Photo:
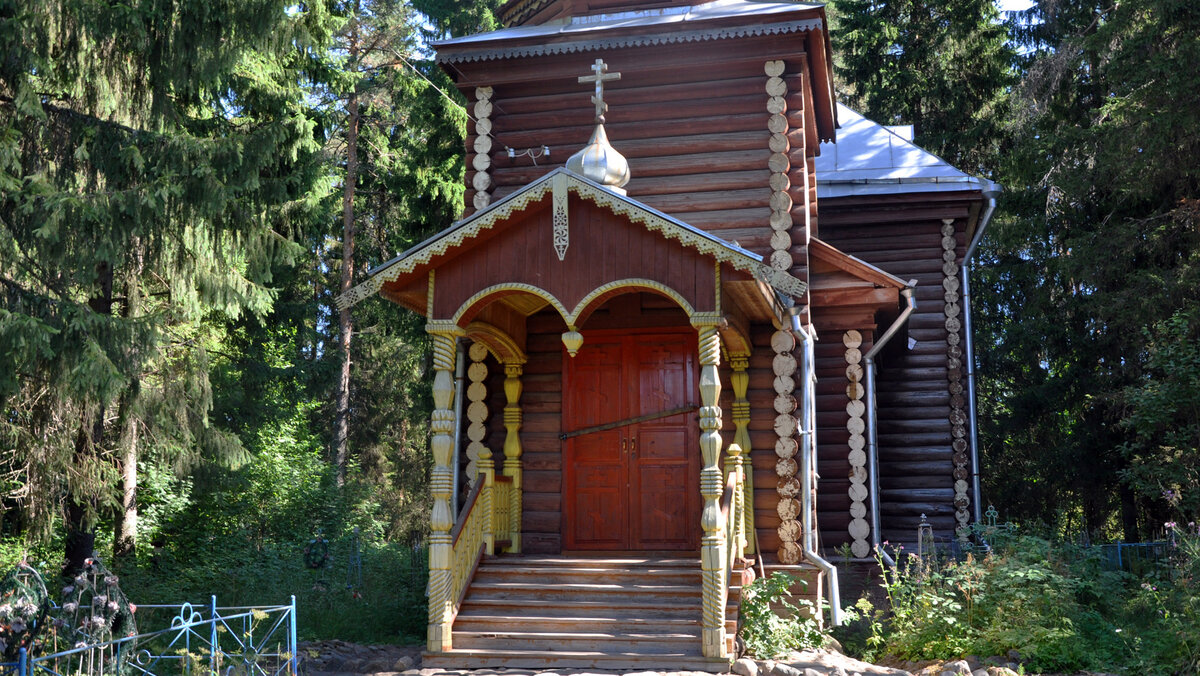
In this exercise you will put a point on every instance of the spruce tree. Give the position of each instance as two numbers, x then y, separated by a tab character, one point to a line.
1091	299
155	161
943	66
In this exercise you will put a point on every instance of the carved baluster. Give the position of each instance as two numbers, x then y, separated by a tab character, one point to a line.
441	485
740	380
512	450
734	466
712	543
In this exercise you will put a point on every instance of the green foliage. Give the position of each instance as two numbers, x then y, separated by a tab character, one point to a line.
1060	607
944	67
772	625
1096	243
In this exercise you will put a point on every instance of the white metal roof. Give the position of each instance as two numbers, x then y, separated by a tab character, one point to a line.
869	158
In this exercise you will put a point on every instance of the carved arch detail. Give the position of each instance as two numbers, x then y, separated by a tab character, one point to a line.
500	344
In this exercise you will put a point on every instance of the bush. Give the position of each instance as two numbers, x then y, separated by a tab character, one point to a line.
771	624
1059	606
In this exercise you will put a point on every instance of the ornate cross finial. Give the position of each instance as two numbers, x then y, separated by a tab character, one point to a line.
601	76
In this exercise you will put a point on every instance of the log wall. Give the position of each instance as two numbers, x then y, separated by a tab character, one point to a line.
913	387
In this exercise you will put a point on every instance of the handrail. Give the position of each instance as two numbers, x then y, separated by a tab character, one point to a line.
465	514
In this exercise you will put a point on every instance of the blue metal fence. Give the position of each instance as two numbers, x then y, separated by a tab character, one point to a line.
201	639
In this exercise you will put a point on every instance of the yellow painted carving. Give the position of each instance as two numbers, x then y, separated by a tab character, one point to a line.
442	426
712	543
500	344
512	450
739	379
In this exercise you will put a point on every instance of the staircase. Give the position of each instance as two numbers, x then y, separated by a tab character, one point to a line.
623	612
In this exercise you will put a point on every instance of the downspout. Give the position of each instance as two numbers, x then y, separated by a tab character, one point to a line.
969	356
872	415
808	468
460	370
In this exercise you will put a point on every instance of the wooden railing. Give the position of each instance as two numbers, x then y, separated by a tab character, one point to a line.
502	526
484	521
733	522
467	545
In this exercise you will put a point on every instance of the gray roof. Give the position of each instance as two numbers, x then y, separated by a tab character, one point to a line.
871	159
674	20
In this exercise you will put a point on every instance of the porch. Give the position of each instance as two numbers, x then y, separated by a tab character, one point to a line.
581	346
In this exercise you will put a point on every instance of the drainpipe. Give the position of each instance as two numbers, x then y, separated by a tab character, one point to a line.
872	415
969	349
460	370
808	470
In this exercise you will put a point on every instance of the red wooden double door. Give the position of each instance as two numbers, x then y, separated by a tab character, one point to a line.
635	487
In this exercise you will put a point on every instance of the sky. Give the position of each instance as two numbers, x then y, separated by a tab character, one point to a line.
1012	5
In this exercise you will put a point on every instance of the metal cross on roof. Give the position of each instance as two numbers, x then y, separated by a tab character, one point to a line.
601	76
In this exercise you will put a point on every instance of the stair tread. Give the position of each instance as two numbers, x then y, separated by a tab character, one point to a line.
533	619
579	634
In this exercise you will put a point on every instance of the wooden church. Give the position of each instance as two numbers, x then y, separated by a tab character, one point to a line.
698	323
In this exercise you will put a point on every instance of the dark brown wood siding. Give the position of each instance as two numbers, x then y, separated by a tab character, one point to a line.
914	432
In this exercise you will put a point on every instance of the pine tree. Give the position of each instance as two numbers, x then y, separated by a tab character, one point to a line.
155	160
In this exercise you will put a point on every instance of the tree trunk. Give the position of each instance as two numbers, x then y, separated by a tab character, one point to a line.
125	525
80	510
345	325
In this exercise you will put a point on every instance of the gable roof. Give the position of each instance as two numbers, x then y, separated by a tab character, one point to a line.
556	184
868	158
575	34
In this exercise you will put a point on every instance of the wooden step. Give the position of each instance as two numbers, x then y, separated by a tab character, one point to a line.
583	640
542	659
618	612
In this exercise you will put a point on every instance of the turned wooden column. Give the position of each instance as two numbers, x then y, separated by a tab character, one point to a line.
445	335
712	542
740	380
512	449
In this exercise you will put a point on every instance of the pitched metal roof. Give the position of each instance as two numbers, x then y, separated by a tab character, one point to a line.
585	33
869	158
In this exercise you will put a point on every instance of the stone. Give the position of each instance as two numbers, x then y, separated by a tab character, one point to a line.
781	669
980	672
403	664
956	668
745	667
812	672
376	665
1000	671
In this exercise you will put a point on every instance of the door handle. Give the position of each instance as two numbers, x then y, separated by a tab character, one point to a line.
633	446
624	445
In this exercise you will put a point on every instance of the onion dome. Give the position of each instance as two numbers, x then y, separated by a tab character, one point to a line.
601	162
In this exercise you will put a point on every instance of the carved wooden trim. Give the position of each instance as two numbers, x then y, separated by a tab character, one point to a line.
441	485
512	450
477	412
739	380
482	161
654	221
712	543
951	284
779	165
855	408
786	448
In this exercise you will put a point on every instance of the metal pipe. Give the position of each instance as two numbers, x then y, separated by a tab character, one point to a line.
460	372
872	419
972	411
808	461
969	351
